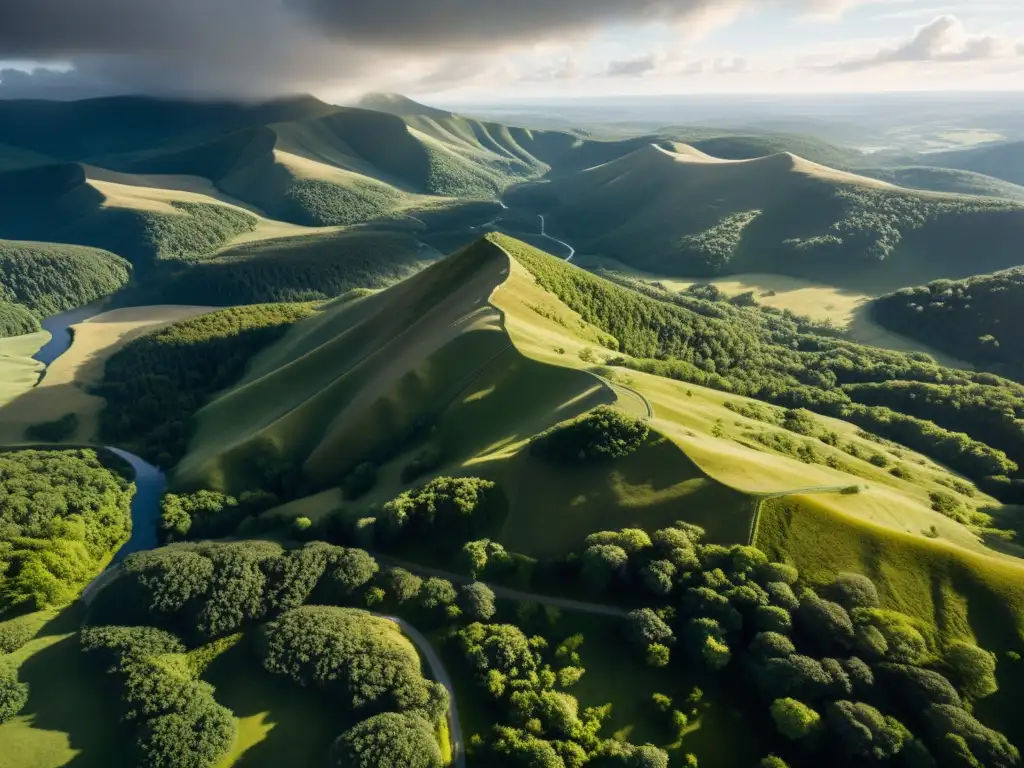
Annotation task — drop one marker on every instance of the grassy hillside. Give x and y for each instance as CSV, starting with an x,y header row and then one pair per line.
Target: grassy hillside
x,y
946,180
48,279
1003,161
773,214
975,319
753,147
58,203
303,268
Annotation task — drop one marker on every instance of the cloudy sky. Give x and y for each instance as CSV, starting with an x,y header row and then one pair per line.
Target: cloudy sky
x,y
469,49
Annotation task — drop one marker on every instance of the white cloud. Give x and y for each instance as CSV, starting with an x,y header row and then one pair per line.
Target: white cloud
x,y
943,40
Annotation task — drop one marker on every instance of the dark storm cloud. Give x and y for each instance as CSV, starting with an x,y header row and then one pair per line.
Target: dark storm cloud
x,y
271,46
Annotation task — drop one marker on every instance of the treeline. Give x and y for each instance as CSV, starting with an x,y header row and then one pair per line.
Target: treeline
x,y
198,231
16,320
48,278
975,319
288,270
748,352
155,384
62,514
845,680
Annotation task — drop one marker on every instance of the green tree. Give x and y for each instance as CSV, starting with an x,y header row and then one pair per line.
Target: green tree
x,y
973,669
13,694
388,740
477,601
794,719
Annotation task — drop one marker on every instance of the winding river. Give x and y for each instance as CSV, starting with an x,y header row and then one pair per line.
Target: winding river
x,y
149,481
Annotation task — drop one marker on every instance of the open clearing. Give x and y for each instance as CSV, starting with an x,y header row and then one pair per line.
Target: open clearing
x,y
66,383
18,371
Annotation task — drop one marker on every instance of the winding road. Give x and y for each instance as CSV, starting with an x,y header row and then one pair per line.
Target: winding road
x,y
544,233
440,674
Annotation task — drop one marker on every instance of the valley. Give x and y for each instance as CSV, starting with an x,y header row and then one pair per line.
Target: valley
x,y
385,435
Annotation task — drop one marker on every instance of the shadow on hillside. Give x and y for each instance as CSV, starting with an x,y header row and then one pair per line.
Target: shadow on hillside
x,y
69,694
300,724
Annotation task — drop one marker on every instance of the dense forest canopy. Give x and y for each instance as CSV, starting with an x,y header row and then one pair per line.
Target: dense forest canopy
x,y
976,319
62,514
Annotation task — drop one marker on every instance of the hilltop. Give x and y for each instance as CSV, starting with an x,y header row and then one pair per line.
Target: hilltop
x,y
671,209
1003,161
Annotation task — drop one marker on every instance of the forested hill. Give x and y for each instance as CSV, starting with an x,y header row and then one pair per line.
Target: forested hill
x,y
973,423
978,319
671,209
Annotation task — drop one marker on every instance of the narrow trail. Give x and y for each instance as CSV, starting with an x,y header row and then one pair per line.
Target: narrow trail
x,y
440,673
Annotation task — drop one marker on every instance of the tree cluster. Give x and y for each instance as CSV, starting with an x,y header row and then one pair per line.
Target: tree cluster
x,y
845,679
770,357
155,384
598,435
62,513
175,717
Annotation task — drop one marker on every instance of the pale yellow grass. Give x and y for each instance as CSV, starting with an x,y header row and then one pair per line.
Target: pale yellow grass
x,y
18,371
65,386
156,192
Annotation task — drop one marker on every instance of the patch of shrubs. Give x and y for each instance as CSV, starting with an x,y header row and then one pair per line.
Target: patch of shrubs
x,y
601,434
175,718
846,681
13,694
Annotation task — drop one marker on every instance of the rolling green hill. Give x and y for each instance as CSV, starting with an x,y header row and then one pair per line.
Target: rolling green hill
x,y
1003,161
48,279
976,319
673,210
738,147
946,180
301,268
61,204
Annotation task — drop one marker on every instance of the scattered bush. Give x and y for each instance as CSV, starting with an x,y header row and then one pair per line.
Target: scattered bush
x,y
388,740
13,694
603,433
794,719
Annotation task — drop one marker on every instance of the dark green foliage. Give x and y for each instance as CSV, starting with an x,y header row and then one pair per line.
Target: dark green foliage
x,y
601,434
477,601
705,640
973,669
13,694
318,203
14,633
794,719
48,278
236,594
861,731
771,645
168,578
485,555
602,564
156,383
53,431
826,623
359,660
177,720
501,648
200,514
307,268
852,590
62,513
894,636
916,689
388,740
973,319
647,628
989,748
292,577
796,676
351,570
450,506
16,320
768,357
359,481
200,232
402,584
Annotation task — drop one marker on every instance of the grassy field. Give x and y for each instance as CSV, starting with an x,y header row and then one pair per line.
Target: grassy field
x,y
18,371
70,719
65,387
